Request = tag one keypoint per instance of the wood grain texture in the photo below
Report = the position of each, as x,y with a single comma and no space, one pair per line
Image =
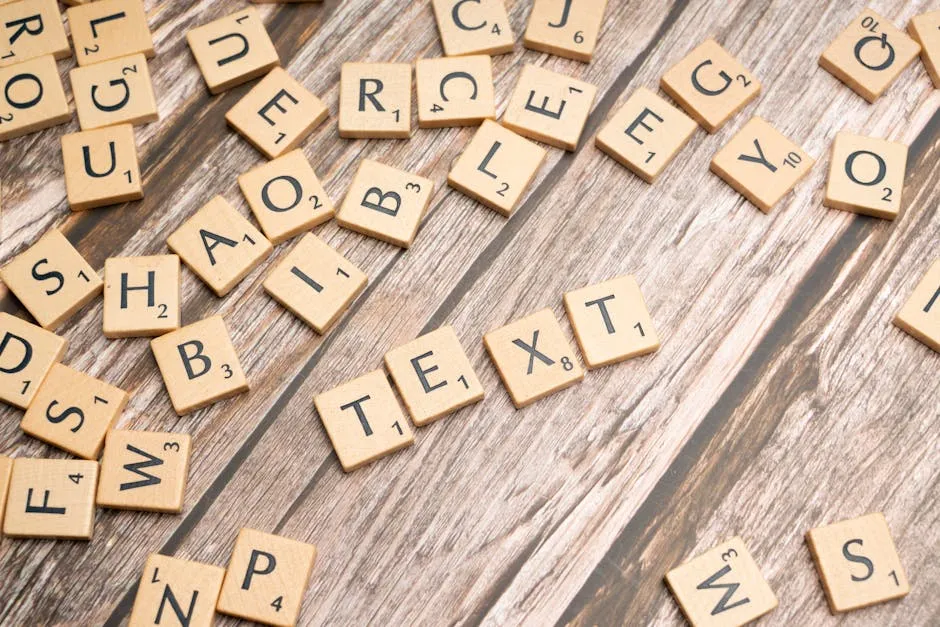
782,398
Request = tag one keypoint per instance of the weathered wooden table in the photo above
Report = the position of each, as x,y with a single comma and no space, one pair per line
782,397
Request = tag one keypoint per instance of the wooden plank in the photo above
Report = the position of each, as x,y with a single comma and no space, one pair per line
496,515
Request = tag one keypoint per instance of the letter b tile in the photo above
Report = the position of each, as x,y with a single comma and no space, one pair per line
199,365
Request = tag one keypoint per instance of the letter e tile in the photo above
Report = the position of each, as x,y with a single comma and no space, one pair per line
761,164
51,498
533,357
266,578
711,85
51,279
496,167
433,375
27,354
722,587
173,589
857,563
611,322
363,419
199,365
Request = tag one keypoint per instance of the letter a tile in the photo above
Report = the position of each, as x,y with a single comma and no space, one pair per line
51,498
172,589
549,107
108,29
144,471
433,376
375,100
761,164
711,85
567,28
277,114
722,587
496,167
199,365
141,296
114,92
101,167
385,203
286,196
533,357
232,50
645,134
869,55
920,315
74,411
315,283
219,245
51,279
27,354
364,420
32,98
455,91
32,28
925,29
611,322
473,27
857,563
266,578
866,175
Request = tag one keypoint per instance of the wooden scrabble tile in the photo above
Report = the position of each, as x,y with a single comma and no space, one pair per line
722,587
385,203
282,1
549,107
114,92
920,315
219,245
266,578
6,469
27,353
761,164
496,167
533,357
475,27
101,167
277,114
232,50
31,28
315,283
866,175
74,411
925,29
51,498
175,591
611,322
857,563
710,84
433,375
869,54
199,365
108,29
645,134
286,196
141,296
51,279
144,471
455,91
33,98
375,100
567,28
364,420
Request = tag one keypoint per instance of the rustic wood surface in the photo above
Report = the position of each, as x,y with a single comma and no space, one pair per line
782,397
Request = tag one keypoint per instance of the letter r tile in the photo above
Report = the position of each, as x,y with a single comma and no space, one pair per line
199,365
722,587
